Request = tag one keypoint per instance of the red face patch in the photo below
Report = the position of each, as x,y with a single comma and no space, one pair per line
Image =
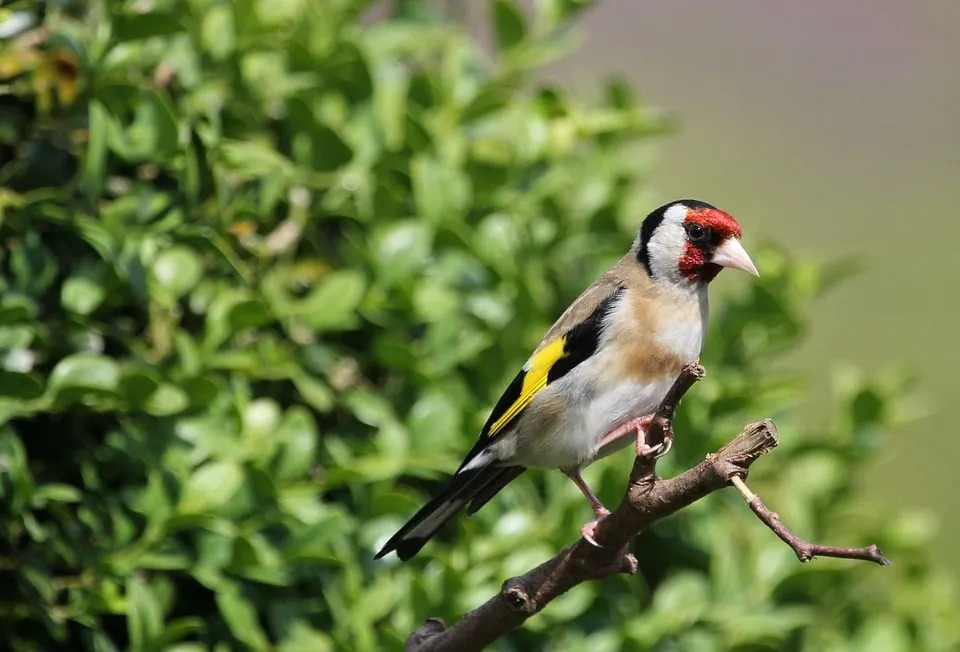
722,224
719,226
691,261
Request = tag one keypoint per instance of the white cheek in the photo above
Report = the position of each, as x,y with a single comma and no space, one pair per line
666,248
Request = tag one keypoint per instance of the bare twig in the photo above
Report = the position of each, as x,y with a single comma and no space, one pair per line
647,499
804,549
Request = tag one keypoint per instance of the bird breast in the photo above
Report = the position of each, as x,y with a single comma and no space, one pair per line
645,344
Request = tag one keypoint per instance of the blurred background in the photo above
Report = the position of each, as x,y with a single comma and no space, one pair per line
265,265
830,128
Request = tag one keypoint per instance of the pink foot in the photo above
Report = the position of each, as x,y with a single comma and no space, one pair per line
638,425
658,451
588,531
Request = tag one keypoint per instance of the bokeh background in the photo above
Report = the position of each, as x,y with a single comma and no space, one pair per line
831,128
265,265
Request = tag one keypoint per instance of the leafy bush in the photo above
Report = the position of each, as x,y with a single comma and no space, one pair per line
266,266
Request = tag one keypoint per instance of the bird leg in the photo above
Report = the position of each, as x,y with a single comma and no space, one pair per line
595,503
600,512
640,425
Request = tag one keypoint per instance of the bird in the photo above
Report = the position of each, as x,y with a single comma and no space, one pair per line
600,371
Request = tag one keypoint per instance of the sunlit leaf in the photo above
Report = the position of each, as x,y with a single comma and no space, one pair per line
144,614
82,295
210,486
85,371
332,303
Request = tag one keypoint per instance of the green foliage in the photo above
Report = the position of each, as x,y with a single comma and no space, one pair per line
265,267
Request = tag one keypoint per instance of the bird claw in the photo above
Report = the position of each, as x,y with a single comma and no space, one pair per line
658,451
589,529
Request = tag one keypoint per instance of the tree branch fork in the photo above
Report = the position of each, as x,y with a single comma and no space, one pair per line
647,499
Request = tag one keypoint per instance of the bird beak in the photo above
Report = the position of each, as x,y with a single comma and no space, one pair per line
732,254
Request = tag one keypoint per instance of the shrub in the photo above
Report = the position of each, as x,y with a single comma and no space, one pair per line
266,266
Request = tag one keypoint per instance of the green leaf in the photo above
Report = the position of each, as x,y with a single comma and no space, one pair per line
867,407
436,419
137,26
248,314
402,248
20,385
301,637
153,134
177,270
253,160
96,160
240,616
177,629
210,487
217,31
81,295
201,391
429,175
261,418
298,444
682,597
330,152
15,309
167,399
314,391
370,407
85,371
509,23
97,237
137,385
56,492
34,267
144,614
230,312
332,303
390,102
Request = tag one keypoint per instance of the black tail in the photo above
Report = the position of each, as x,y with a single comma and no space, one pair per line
504,475
462,488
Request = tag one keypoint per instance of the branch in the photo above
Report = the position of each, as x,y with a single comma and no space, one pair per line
646,500
804,549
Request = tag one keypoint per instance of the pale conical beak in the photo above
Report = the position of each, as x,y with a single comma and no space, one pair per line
732,254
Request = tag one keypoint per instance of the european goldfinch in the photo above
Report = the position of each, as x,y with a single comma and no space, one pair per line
601,370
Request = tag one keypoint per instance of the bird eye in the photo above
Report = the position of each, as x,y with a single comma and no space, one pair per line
695,232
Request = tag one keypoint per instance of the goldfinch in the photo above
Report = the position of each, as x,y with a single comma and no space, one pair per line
601,370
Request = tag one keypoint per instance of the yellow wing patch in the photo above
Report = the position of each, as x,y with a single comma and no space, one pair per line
534,379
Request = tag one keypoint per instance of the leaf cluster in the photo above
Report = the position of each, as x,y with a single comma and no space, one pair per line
265,266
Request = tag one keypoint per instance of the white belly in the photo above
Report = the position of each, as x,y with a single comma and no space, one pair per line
565,423
573,439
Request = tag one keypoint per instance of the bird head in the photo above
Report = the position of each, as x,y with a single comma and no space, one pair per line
688,242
